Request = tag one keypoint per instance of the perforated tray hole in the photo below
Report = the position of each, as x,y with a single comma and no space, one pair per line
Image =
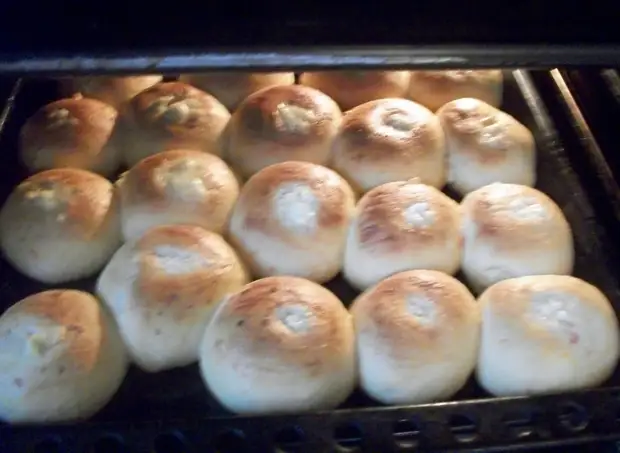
406,434
232,441
289,440
519,425
348,436
172,442
573,417
109,444
47,446
464,428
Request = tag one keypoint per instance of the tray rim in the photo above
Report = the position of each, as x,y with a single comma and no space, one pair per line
438,56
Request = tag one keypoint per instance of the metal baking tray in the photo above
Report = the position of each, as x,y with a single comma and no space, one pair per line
592,99
585,105
172,411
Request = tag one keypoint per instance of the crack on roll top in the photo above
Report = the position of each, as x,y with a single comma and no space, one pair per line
177,261
296,208
60,117
297,318
48,196
469,116
399,120
505,200
422,308
293,119
419,215
183,180
173,109
557,312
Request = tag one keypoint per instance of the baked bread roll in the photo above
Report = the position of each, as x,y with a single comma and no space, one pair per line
116,91
390,140
177,187
436,88
280,345
513,231
292,219
486,145
76,132
279,124
402,226
61,358
163,289
545,334
417,337
60,225
172,115
352,88
231,88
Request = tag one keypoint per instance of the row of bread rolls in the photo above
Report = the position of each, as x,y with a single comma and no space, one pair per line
352,88
292,218
285,344
348,88
383,140
312,213
163,285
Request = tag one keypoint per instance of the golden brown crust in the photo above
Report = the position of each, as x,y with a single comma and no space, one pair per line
514,217
262,116
86,197
366,134
73,130
179,128
352,88
112,90
512,299
435,88
260,332
233,87
196,288
145,182
79,315
330,189
382,223
382,310
483,132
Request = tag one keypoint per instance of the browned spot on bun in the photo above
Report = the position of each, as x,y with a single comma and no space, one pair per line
381,221
260,118
262,332
491,209
144,181
383,311
79,313
69,127
87,197
198,119
366,137
332,192
186,290
471,123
